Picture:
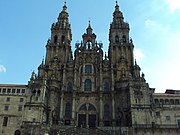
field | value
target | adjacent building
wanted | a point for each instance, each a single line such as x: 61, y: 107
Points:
x: 89, y: 91
x: 12, y: 101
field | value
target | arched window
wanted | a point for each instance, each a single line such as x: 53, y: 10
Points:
x: 88, y: 69
x: 34, y: 92
x: 83, y: 108
x: 55, y: 39
x: 106, y: 111
x: 176, y: 101
x: 69, y: 87
x: 87, y: 85
x: 89, y: 45
x: 91, y: 108
x: 117, y: 39
x: 161, y: 101
x: 156, y: 101
x: 38, y: 93
x: 106, y: 86
x: 17, y: 132
x: 172, y: 101
x: 63, y: 39
x: 166, y: 101
x: 124, y: 39
x: 68, y: 110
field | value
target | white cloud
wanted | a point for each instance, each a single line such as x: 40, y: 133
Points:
x: 139, y: 55
x: 173, y: 5
x: 2, y: 68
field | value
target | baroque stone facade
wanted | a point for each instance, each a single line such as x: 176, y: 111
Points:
x: 93, y: 92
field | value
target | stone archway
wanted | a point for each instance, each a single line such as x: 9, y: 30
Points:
x: 17, y: 132
x: 87, y: 116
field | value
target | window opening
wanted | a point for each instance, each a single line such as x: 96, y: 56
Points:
x: 124, y: 39
x: 88, y: 85
x: 55, y: 39
x: 88, y: 69
x: 63, y: 39
x: 117, y: 39
x: 5, y: 121
x: 106, y: 87
x: 68, y: 110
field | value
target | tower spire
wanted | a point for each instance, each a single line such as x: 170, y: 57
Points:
x: 89, y: 23
x: 89, y: 29
x: 117, y: 6
x: 64, y: 7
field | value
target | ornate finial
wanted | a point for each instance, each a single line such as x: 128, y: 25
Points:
x: 143, y: 75
x: 135, y: 62
x: 117, y: 6
x: 33, y: 76
x: 64, y: 7
x: 89, y: 29
x: 43, y: 60
x: 89, y: 23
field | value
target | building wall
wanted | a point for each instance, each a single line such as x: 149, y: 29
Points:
x: 167, y: 108
x: 12, y: 100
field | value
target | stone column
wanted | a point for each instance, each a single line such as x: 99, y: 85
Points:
x: 113, y: 107
x: 101, y: 111
x: 61, y: 106
x: 112, y: 77
x: 87, y: 116
x: 66, y: 54
x: 101, y: 81
x: 113, y: 110
x: 75, y: 77
x: 73, y: 107
x: 64, y: 78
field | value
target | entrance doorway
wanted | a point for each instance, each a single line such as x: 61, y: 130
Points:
x: 87, y: 116
x: 17, y: 132
x: 82, y: 120
x: 92, y: 121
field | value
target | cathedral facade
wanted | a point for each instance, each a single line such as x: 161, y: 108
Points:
x: 90, y: 91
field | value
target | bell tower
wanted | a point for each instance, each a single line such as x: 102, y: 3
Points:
x: 121, y: 46
x: 59, y: 44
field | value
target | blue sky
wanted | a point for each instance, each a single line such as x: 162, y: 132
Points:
x: 155, y: 30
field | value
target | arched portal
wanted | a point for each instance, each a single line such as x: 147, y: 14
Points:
x: 87, y: 116
x: 17, y: 132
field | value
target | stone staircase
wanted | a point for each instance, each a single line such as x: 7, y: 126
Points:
x: 83, y: 131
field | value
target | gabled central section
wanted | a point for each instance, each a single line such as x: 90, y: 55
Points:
x: 89, y: 42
